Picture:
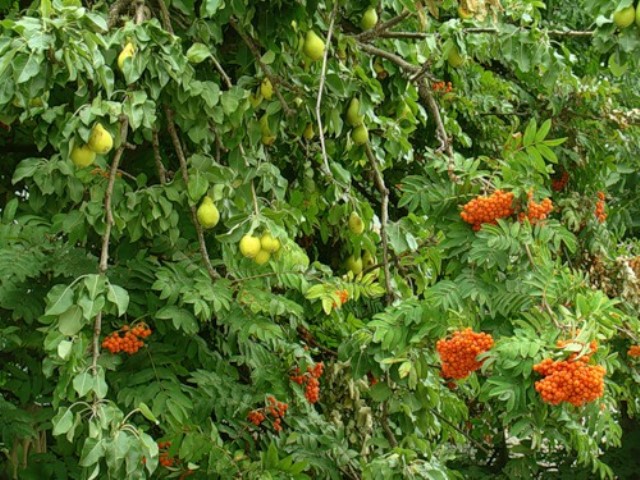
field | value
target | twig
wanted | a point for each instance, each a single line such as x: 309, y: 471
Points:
x: 155, y: 142
x: 115, y: 11
x: 382, y: 27
x: 384, y: 421
x: 171, y: 127
x: 140, y: 13
x: 323, y: 74
x: 460, y: 431
x: 396, y: 258
x: 104, y: 251
x: 274, y: 79
x: 221, y: 71
x: 166, y: 17
x: 384, y: 218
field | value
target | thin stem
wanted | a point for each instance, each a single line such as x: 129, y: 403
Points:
x: 460, y: 431
x: 382, y: 27
x: 162, y: 175
x: 166, y: 17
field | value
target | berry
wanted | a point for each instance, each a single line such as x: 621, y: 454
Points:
x: 600, y: 204
x: 458, y: 354
x: 634, y: 351
x: 536, y: 211
x: 126, y: 339
x: 487, y: 209
x: 558, y: 184
x: 310, y: 381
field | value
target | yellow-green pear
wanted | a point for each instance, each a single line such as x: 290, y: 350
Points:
x: 360, y: 135
x: 625, y: 17
x: 369, y: 19
x: 262, y: 257
x: 266, y: 89
x: 249, y: 246
x: 308, y: 133
x: 208, y: 215
x: 353, y: 116
x: 269, y: 243
x: 455, y: 59
x: 354, y: 265
x: 356, y: 225
x: 127, y: 52
x: 100, y: 140
x: 638, y: 16
x: 313, y: 46
x: 82, y: 156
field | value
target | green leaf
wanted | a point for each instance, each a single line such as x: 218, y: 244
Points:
x: 147, y: 413
x: 530, y: 133
x: 59, y: 299
x: 92, y: 451
x: 543, y: 130
x: 64, y: 349
x: 83, y: 383
x: 119, y: 297
x: 197, y: 53
x: 71, y: 321
x: 198, y: 185
x: 62, y: 422
x: 210, y: 7
x: 380, y: 392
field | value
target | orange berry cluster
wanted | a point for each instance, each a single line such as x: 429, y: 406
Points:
x: 164, y: 459
x: 600, y: 213
x: 536, y: 211
x: 343, y: 297
x: 634, y: 351
x: 573, y: 380
x: 127, y: 339
x: 310, y: 381
x: 488, y: 209
x: 274, y: 408
x: 441, y: 87
x: 458, y: 354
x: 558, y: 184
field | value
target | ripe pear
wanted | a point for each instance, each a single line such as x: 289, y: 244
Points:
x: 353, y: 113
x: 455, y: 59
x: 266, y: 89
x: 100, y: 140
x: 82, y: 156
x: 369, y: 19
x: 308, y: 133
x: 313, y: 46
x: 360, y: 135
x: 208, y: 215
x: 262, y: 257
x: 249, y: 246
x: 269, y: 244
x: 625, y: 17
x: 356, y: 225
x: 354, y: 264
x: 127, y: 52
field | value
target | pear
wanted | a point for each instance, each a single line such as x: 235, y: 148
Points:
x: 268, y: 140
x: 455, y: 59
x: 262, y: 257
x: 313, y: 46
x: 360, y: 135
x: 356, y: 225
x: 266, y: 89
x: 249, y: 246
x: 255, y: 100
x: 269, y: 244
x: 369, y: 19
x: 638, y: 16
x: 464, y: 14
x: 100, y: 140
x: 82, y: 156
x: 308, y: 133
x: 127, y: 52
x: 625, y: 17
x: 353, y: 113
x: 354, y: 264
x: 208, y: 215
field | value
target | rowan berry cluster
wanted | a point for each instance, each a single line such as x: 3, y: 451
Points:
x: 343, y: 297
x: 600, y: 213
x: 164, y: 459
x: 127, y: 340
x: 488, y: 209
x: 634, y: 351
x: 536, y: 211
x: 441, y: 87
x: 274, y: 408
x: 310, y: 381
x: 458, y: 353
x: 558, y: 184
x: 573, y: 380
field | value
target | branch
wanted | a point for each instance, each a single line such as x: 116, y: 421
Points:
x: 274, y: 79
x: 384, y: 218
x: 460, y: 431
x: 115, y: 11
x: 379, y: 29
x: 171, y: 127
x: 221, y: 71
x: 162, y: 175
x: 166, y: 17
x: 384, y: 421
x: 323, y: 73
x: 104, y: 251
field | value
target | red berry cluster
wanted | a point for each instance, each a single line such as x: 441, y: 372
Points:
x: 164, y: 458
x: 488, y: 209
x: 634, y: 351
x: 343, y: 297
x: 458, y: 354
x: 573, y: 380
x: 558, y: 184
x: 127, y: 339
x: 274, y: 408
x: 310, y: 380
x: 536, y: 211
x: 441, y: 87
x: 600, y: 213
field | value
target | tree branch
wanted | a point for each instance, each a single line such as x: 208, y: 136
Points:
x: 155, y: 142
x: 171, y: 127
x: 379, y: 29
x: 460, y: 431
x: 115, y: 11
x: 166, y: 17
x: 384, y: 421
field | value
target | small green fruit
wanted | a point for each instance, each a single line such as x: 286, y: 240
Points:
x: 356, y: 225
x: 127, y: 52
x: 360, y: 135
x: 353, y: 113
x: 266, y: 89
x: 82, y: 156
x: 625, y: 17
x: 455, y: 59
x: 249, y: 246
x: 354, y: 265
x: 262, y: 257
x: 313, y: 46
x: 308, y: 133
x: 638, y: 16
x: 269, y: 243
x: 207, y: 213
x: 100, y: 140
x: 369, y: 19
x: 255, y: 100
